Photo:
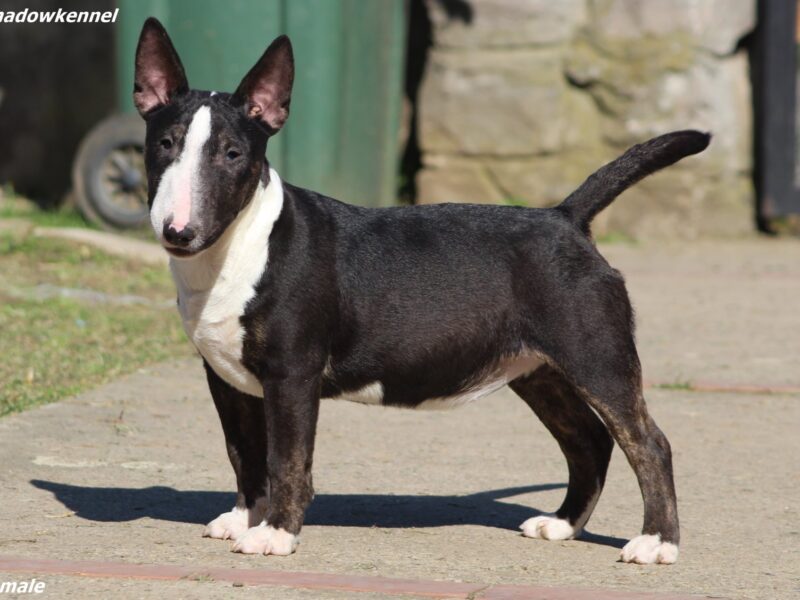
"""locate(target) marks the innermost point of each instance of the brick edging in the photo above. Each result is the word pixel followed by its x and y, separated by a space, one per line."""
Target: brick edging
pixel 732 388
pixel 319 581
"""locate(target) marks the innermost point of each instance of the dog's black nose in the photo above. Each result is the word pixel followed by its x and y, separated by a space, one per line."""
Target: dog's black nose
pixel 179 238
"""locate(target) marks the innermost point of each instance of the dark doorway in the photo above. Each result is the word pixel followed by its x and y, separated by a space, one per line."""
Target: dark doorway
pixel 773 51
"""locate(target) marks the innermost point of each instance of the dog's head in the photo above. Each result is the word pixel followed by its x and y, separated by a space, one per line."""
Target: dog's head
pixel 205 151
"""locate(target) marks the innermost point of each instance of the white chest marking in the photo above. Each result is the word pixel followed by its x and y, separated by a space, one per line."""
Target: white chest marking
pixel 215 286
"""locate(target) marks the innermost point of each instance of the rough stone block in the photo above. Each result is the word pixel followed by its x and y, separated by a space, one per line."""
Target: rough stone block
pixel 505 23
pixel 615 72
pixel 680 203
pixel 547 180
pixel 456 181
pixel 713 95
pixel 502 103
pixel 716 25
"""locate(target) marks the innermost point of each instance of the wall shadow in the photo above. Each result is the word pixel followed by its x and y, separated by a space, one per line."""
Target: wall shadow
pixel 419 39
pixel 57 81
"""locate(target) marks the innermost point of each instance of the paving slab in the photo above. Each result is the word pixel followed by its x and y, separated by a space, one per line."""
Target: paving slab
pixel 718 312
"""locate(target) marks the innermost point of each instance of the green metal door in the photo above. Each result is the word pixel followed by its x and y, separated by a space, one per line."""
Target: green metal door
pixel 341 138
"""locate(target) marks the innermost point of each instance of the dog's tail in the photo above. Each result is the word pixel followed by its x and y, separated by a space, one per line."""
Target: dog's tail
pixel 608 182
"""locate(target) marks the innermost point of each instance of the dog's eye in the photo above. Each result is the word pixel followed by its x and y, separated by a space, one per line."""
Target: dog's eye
pixel 166 143
pixel 232 154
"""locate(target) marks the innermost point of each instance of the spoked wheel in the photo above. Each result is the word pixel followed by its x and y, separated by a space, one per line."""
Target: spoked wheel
pixel 108 174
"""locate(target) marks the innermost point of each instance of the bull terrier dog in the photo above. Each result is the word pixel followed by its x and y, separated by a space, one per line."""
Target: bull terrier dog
pixel 291 297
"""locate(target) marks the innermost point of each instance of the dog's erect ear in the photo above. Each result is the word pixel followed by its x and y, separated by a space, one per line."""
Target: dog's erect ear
pixel 159 73
pixel 266 90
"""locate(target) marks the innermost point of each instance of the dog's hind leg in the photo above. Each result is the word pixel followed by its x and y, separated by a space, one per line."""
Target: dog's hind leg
pixel 244 426
pixel 622 407
pixel 607 371
pixel 583 439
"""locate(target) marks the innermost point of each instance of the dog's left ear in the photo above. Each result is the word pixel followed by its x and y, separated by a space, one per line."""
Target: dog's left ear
pixel 266 90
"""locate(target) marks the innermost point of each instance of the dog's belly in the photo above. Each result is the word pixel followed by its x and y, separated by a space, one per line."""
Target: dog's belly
pixel 220 345
pixel 215 328
pixel 487 381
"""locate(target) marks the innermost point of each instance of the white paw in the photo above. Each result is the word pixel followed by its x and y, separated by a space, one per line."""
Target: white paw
pixel 265 539
pixel 548 527
pixel 228 526
pixel 649 549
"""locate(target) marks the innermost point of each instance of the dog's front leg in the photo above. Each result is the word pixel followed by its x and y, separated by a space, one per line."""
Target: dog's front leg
pixel 291 407
pixel 244 426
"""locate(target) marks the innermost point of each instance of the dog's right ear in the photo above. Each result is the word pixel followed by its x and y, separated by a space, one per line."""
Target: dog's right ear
pixel 159 74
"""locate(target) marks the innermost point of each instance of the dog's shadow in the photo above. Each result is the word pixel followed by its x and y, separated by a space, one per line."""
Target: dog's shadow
pixel 109 504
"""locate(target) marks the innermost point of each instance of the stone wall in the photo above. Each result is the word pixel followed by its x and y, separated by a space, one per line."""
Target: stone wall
pixel 522 99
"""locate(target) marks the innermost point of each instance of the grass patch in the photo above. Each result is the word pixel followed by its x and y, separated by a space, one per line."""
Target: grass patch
pixel 616 237
pixel 32 260
pixel 787 226
pixel 13 207
pixel 16 207
pixel 511 201
pixel 59 347
pixel 684 386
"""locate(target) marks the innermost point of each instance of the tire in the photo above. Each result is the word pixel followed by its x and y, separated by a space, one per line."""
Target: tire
pixel 108 177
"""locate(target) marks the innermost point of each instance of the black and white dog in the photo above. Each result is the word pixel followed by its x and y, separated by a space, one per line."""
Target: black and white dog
pixel 291 297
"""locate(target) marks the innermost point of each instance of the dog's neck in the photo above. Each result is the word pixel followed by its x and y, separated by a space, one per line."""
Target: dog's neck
pixel 246 235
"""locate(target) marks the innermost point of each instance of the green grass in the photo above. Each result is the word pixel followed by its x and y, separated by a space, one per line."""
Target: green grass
pixel 788 225
pixel 58 347
pixel 32 260
pixel 681 386
pixel 12 207
pixel 16 207
pixel 616 237
pixel 515 202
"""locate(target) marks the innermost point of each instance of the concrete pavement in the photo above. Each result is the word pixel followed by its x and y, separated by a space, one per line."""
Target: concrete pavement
pixel 128 473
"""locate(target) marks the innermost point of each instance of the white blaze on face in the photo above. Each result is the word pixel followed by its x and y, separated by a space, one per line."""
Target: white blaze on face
pixel 177 193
